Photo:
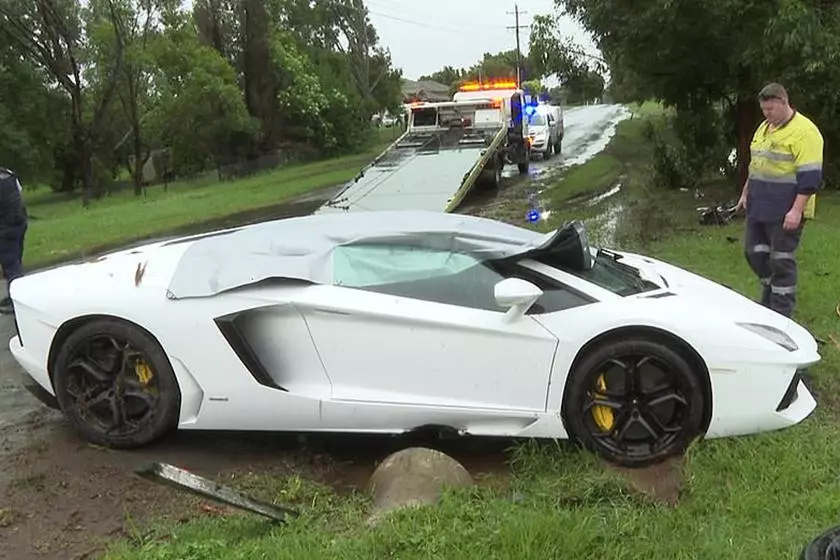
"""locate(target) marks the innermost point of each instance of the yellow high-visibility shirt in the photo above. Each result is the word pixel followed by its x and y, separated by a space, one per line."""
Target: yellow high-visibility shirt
pixel 785 162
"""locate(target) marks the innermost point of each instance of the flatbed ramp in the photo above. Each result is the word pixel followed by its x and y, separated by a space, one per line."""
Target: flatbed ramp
pixel 426 172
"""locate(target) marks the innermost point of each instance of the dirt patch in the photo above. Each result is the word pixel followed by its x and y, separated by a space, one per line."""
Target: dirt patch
pixel 64 498
pixel 662 482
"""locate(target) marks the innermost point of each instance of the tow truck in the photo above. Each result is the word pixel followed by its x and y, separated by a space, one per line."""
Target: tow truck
pixel 448 148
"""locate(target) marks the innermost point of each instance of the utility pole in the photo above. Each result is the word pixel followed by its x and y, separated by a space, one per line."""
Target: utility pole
pixel 517 27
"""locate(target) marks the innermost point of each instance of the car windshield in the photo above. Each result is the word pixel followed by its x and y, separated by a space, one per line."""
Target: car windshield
pixel 538 119
pixel 607 272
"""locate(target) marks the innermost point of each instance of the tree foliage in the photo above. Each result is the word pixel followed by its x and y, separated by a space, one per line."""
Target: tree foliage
pixel 710 57
pixel 88 88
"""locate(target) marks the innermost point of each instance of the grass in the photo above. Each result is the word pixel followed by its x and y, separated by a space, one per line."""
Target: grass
pixel 61 229
pixel 764 496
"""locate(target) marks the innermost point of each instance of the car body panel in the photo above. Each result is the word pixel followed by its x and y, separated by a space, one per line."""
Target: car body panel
pixel 338 358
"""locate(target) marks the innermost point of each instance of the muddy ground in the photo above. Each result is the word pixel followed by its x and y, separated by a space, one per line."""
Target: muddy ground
pixel 63 498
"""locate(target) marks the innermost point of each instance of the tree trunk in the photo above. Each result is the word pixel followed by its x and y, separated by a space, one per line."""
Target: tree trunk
pixel 260 85
pixel 139 163
pixel 748 118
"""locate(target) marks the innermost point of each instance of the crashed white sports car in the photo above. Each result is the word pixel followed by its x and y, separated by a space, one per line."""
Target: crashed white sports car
pixel 386 322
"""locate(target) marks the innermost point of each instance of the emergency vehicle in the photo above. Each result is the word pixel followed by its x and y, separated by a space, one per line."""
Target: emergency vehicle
pixel 448 148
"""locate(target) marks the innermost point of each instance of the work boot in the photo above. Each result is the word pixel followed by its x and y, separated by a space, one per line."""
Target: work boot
pixel 6 307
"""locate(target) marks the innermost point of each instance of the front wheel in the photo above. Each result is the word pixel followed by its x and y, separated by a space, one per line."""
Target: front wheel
pixel 634 402
pixel 115 385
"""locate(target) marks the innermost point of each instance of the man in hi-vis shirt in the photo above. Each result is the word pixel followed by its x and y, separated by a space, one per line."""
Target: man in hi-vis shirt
pixel 779 195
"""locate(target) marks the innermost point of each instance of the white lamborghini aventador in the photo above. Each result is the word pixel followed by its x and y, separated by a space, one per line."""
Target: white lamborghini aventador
pixel 385 322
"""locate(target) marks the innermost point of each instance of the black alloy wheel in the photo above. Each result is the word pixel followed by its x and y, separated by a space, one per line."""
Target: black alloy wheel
pixel 634 402
pixel 115 385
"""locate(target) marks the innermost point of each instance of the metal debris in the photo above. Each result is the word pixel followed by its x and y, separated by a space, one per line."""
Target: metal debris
pixel 716 216
pixel 181 479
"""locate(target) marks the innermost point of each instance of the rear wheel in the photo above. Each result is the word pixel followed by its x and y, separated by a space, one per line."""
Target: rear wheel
pixel 115 385
pixel 634 402
pixel 491 176
pixel 523 167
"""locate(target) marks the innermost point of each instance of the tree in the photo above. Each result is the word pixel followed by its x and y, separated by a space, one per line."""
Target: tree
pixel 695 54
pixel 52 34
pixel 30 107
pixel 202 114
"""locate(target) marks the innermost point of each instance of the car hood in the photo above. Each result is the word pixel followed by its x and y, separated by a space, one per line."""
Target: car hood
pixel 710 297
pixel 150 265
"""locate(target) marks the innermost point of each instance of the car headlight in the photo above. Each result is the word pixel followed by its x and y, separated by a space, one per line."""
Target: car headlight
pixel 772 334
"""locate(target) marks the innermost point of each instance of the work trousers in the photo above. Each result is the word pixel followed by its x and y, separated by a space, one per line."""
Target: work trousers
pixel 11 253
pixel 771 253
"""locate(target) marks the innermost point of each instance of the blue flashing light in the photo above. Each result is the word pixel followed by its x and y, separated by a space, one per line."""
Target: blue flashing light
pixel 533 216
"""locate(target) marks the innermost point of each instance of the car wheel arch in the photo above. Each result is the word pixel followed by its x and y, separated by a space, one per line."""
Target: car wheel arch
pixel 655 334
pixel 71 325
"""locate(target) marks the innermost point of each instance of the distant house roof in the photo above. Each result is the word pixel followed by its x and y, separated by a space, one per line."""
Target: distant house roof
pixel 424 90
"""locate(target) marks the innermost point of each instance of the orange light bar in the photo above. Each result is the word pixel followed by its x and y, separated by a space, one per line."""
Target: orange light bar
pixel 487 86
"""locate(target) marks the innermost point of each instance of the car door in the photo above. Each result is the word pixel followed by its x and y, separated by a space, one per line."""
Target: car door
pixel 419 326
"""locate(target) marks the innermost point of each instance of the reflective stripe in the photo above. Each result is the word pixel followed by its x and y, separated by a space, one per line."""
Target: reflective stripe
pixel 810 167
pixel 782 255
pixel 775 156
pixel 789 155
pixel 760 248
pixel 765 281
pixel 789 179
pixel 783 290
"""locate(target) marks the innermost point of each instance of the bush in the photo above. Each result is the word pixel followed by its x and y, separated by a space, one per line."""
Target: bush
pixel 689 147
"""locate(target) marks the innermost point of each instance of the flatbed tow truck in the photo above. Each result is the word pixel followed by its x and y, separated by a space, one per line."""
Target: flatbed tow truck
pixel 447 149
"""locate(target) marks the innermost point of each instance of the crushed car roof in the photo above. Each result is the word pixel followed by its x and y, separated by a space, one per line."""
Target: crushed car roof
pixel 302 248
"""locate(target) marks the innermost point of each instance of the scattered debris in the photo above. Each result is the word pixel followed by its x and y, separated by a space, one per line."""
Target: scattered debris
pixel 718 215
pixel 184 480
pixel 138 274
pixel 537 210
pixel 7 517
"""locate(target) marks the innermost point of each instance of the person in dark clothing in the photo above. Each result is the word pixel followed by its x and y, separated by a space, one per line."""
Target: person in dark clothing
pixel 13 225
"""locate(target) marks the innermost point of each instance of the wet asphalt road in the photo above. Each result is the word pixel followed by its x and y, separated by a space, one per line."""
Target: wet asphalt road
pixel 587 131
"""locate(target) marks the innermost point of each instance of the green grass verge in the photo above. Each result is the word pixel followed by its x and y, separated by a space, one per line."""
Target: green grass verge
pixel 62 229
pixel 764 496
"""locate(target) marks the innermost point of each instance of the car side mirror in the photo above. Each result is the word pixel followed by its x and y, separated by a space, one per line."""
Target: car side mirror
pixel 517 295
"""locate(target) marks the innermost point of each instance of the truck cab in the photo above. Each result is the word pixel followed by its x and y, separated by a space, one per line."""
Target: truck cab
pixel 512 103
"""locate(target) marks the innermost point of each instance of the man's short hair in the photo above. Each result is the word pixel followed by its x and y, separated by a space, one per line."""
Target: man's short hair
pixel 773 91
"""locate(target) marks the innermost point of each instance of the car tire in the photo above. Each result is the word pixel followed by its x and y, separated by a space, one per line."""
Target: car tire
pixel 108 368
pixel 525 165
pixel 491 176
pixel 667 400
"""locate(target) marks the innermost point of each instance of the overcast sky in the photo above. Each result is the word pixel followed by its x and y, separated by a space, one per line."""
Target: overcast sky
pixel 426 35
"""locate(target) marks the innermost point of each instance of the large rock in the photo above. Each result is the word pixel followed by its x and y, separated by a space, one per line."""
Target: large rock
pixel 414 476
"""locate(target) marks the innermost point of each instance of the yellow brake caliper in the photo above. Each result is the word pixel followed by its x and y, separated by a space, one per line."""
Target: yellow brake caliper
pixel 143 372
pixel 603 415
